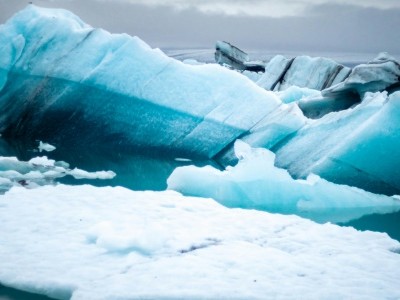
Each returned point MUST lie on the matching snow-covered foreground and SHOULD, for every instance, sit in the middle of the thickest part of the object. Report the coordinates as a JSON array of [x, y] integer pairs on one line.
[[87, 242]]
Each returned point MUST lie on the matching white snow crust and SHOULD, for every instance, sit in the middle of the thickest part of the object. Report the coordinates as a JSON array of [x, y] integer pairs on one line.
[[84, 242]]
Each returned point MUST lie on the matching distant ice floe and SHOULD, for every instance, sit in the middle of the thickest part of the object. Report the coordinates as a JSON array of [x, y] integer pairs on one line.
[[40, 171], [257, 184], [45, 147], [85, 242]]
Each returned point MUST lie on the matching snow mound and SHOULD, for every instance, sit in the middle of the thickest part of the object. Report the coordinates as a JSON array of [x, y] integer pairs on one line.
[[85, 242]]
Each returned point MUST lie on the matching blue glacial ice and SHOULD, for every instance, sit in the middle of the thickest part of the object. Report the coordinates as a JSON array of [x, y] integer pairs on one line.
[[358, 146], [40, 171], [257, 184], [64, 82], [114, 90]]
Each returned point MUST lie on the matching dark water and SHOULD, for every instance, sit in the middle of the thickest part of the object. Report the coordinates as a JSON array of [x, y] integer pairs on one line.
[[389, 223], [12, 294], [135, 170]]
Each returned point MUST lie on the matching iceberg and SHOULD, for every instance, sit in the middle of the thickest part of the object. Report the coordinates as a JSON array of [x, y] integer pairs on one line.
[[357, 146], [380, 74], [255, 183], [63, 81], [66, 242], [227, 54], [316, 73]]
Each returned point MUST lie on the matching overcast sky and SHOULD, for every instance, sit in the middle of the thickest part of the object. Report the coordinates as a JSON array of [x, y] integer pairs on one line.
[[291, 25]]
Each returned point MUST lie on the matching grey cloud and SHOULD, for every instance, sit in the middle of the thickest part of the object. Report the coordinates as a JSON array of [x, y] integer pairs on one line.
[[326, 27]]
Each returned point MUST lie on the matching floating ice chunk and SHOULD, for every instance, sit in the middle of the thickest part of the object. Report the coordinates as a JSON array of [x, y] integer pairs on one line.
[[256, 183], [378, 75], [81, 174], [40, 171], [312, 72], [45, 147], [97, 241], [42, 161], [227, 54], [182, 159]]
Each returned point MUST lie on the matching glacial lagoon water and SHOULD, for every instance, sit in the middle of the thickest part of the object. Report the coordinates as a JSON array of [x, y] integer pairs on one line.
[[13, 294], [149, 171]]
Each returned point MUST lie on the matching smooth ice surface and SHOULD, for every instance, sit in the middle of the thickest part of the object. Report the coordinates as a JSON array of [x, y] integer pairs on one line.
[[112, 243], [256, 183], [295, 94], [114, 90], [358, 146]]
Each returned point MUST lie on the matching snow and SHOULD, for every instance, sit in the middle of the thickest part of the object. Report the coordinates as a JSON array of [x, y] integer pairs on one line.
[[84, 242], [255, 183], [114, 90]]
